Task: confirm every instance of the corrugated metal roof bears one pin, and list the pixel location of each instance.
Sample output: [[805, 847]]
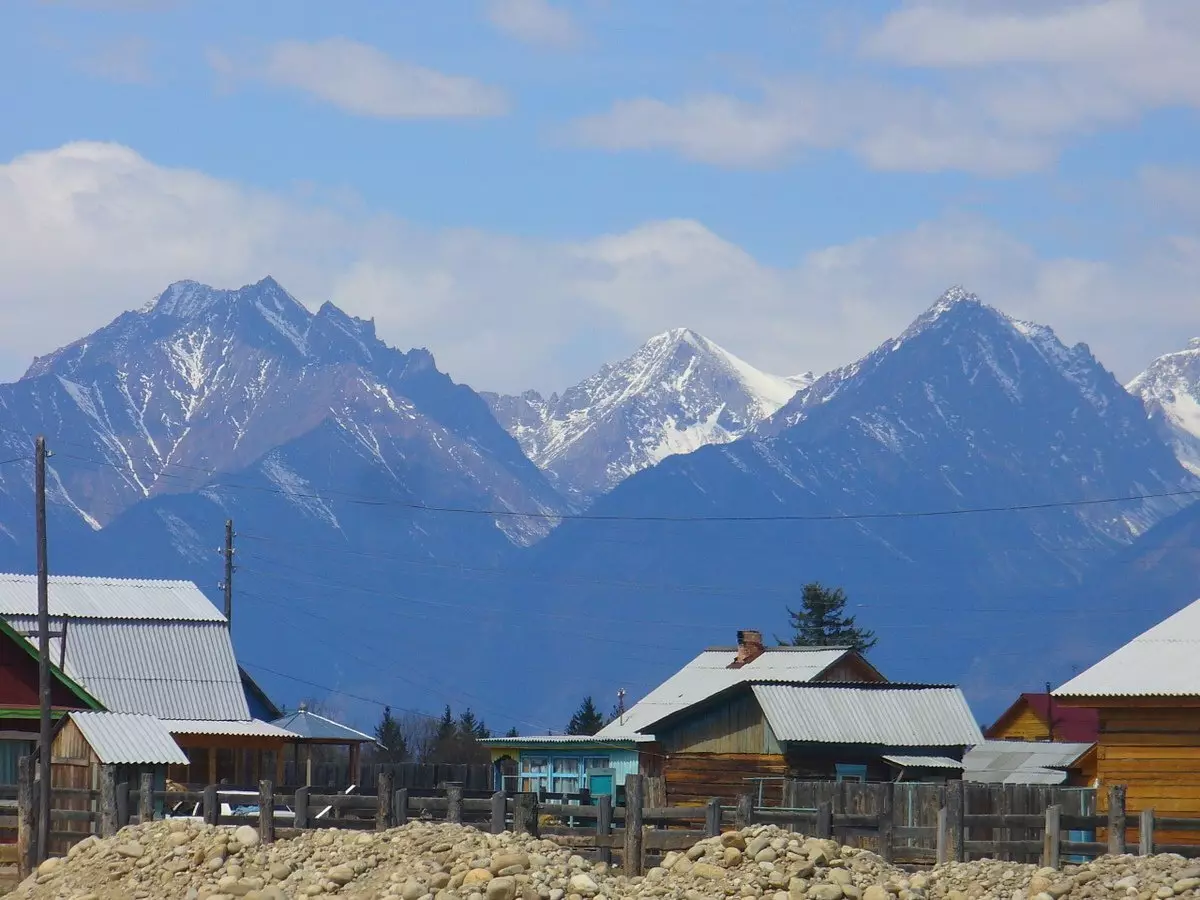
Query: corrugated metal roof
[[924, 762], [883, 714], [108, 598], [124, 739], [310, 725], [1161, 662], [172, 670], [709, 673], [247, 728], [1020, 762]]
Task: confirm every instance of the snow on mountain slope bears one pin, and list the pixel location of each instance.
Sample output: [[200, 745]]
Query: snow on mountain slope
[[677, 393], [201, 383], [1170, 391]]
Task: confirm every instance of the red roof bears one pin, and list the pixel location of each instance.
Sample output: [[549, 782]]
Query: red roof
[[1069, 724]]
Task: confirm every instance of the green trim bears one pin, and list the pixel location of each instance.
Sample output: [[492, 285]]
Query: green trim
[[88, 700], [26, 712]]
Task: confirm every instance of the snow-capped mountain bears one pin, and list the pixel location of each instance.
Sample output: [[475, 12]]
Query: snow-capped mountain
[[203, 388], [871, 479], [1170, 391], [676, 393]]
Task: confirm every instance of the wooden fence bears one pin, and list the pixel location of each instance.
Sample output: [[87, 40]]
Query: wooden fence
[[873, 816]]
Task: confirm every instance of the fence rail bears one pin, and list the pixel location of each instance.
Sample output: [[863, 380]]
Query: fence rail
[[634, 832]]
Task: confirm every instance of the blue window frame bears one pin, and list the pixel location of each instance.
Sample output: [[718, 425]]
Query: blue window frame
[[557, 773], [847, 772]]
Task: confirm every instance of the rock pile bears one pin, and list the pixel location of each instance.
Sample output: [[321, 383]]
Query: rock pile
[[185, 860]]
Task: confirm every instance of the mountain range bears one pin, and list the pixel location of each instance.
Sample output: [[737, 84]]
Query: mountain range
[[998, 507]]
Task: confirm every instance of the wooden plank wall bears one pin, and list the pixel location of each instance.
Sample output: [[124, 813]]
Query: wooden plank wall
[[738, 726], [694, 778], [1025, 726], [73, 766], [1155, 752]]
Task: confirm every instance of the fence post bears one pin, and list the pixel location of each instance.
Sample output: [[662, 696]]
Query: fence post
[[266, 812], [604, 819], [383, 802], [956, 801], [745, 812], [633, 825], [1116, 819], [400, 807], [1146, 833], [26, 818], [1052, 837], [301, 807], [886, 820], [525, 814], [454, 804], [122, 804], [825, 819], [212, 804], [108, 801], [500, 812], [712, 818], [146, 798], [943, 827]]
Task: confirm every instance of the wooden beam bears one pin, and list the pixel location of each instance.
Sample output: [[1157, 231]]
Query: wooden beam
[[633, 825]]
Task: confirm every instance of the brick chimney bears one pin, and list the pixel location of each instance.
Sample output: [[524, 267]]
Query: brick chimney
[[749, 648]]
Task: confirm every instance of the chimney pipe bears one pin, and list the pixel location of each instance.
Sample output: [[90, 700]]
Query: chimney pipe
[[749, 648]]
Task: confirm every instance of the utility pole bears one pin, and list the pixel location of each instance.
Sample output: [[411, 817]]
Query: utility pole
[[43, 592], [228, 583]]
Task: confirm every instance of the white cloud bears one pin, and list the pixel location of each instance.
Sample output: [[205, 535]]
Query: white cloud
[[89, 230], [1005, 87], [364, 81], [534, 22]]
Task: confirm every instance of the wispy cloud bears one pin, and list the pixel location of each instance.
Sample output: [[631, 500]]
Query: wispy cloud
[[124, 60], [363, 80], [1005, 87], [534, 22]]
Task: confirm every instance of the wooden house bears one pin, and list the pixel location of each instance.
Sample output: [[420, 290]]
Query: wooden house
[[568, 764], [1147, 698], [709, 728], [1041, 717], [752, 736], [155, 648]]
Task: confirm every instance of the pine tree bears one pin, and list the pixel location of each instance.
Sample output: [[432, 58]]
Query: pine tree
[[821, 621], [392, 747], [512, 732], [587, 719]]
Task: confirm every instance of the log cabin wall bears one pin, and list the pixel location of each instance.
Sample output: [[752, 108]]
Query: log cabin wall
[[1025, 725]]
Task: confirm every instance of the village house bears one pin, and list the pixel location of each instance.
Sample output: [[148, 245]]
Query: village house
[[155, 649], [745, 718], [1040, 717], [1147, 698]]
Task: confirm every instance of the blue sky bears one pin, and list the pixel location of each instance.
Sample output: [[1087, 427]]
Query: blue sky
[[530, 187]]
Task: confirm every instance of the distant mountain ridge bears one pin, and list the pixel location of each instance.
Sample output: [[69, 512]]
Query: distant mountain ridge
[[1170, 391], [678, 392]]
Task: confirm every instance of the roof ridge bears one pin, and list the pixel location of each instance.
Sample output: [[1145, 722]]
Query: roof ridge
[[102, 579]]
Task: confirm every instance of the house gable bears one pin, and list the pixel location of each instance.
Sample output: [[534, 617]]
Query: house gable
[[19, 678]]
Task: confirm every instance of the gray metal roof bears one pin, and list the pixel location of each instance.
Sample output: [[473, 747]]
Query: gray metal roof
[[581, 739], [884, 714], [173, 670], [924, 762], [121, 738], [241, 728], [318, 728], [709, 674], [1161, 662], [108, 598], [1020, 762]]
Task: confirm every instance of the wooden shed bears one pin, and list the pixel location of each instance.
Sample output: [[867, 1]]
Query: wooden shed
[[1147, 697], [86, 741]]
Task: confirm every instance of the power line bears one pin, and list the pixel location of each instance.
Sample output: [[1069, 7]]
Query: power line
[[361, 500]]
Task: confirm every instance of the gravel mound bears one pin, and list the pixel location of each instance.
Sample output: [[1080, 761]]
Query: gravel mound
[[180, 860]]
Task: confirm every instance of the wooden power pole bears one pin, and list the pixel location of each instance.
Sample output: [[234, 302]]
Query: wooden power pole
[[43, 592], [228, 583]]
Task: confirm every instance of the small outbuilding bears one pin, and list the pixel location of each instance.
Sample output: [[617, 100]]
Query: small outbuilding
[[309, 729]]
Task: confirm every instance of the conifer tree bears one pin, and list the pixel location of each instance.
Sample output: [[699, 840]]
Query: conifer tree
[[587, 719], [821, 621]]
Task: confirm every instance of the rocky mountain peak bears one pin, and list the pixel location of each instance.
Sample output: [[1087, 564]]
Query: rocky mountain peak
[[1169, 390]]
